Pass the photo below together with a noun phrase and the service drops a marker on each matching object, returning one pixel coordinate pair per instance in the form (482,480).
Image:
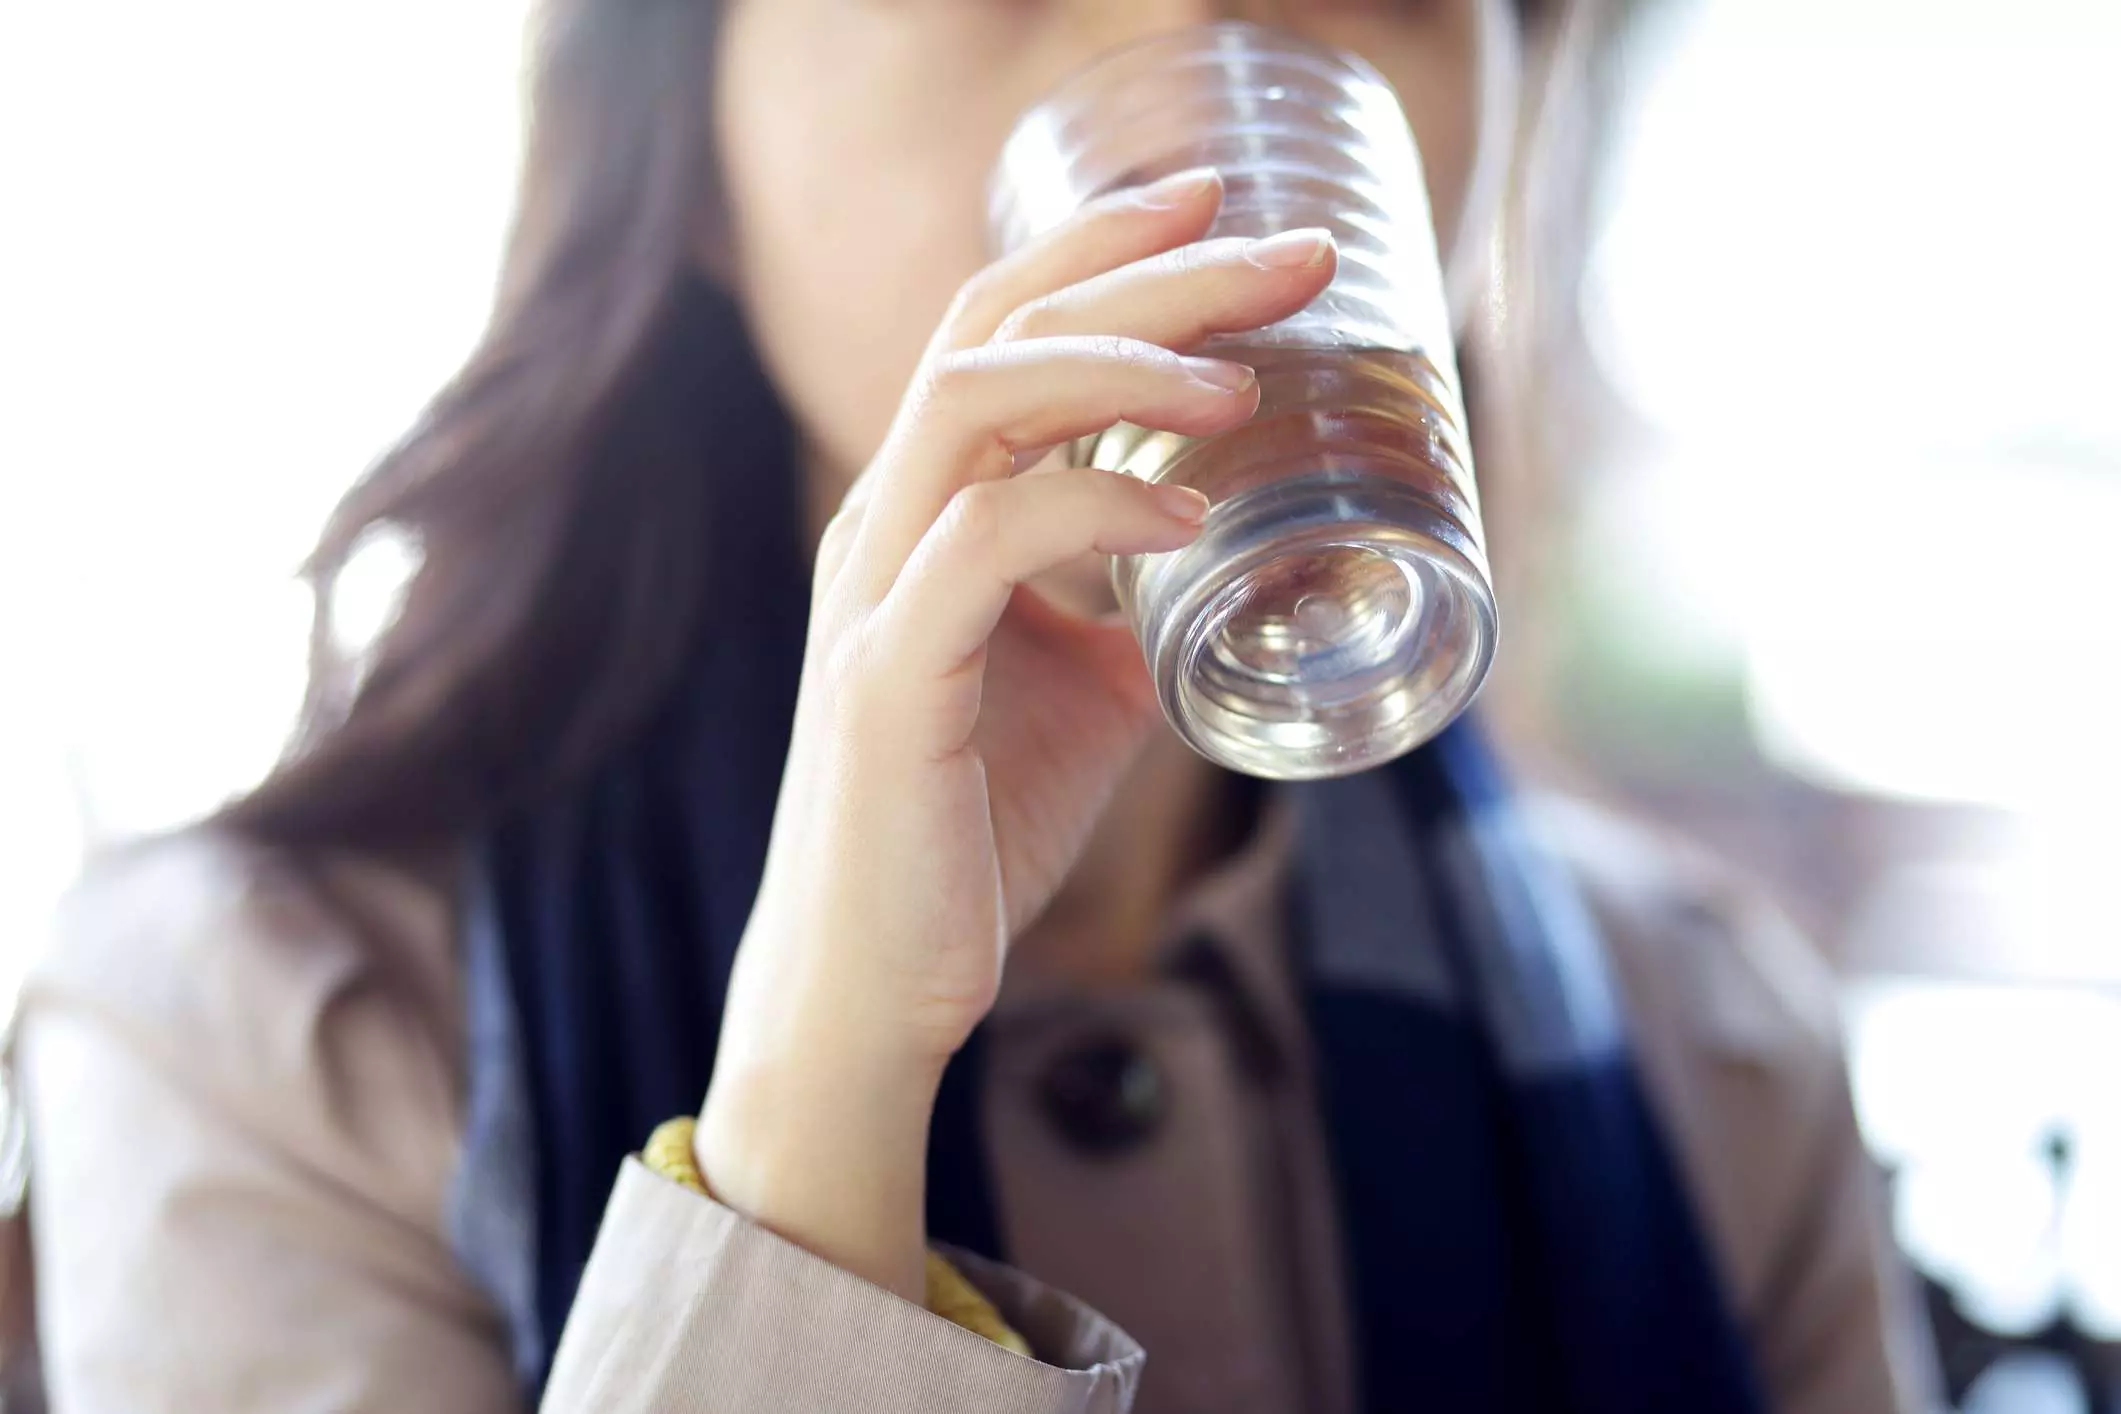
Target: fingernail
(1292,250)
(1180,502)
(1222,376)
(1176,189)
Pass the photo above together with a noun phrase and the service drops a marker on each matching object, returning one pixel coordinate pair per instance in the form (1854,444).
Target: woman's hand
(955,734)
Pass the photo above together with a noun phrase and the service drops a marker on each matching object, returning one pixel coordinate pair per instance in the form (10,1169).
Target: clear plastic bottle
(1336,610)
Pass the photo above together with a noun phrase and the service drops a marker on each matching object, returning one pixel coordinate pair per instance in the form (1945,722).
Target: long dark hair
(554,492)
(557,493)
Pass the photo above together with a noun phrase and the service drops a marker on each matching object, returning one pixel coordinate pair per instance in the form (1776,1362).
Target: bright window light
(1859,280)
(245,240)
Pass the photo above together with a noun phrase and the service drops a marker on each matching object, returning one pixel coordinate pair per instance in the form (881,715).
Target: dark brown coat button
(1105,1096)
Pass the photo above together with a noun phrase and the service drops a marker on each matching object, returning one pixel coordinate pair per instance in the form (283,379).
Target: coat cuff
(687,1306)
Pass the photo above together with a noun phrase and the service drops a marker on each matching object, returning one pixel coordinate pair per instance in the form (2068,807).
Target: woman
(1324,1096)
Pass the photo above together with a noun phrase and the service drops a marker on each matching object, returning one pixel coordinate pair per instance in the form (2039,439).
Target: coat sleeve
(241,1125)
(241,1132)
(686,1306)
(1838,1327)
(1735,1024)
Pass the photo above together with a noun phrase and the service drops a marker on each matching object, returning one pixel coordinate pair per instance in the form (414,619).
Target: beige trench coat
(244,1079)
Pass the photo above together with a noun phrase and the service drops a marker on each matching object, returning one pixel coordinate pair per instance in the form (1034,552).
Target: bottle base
(1319,626)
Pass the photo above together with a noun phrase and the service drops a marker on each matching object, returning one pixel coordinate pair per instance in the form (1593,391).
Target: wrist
(826,1150)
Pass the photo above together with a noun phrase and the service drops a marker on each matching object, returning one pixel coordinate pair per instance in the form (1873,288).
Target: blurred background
(1842,571)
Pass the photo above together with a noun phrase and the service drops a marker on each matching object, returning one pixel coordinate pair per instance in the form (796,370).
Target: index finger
(1110,232)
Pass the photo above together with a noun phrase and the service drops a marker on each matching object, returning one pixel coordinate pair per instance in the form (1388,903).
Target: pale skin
(978,770)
